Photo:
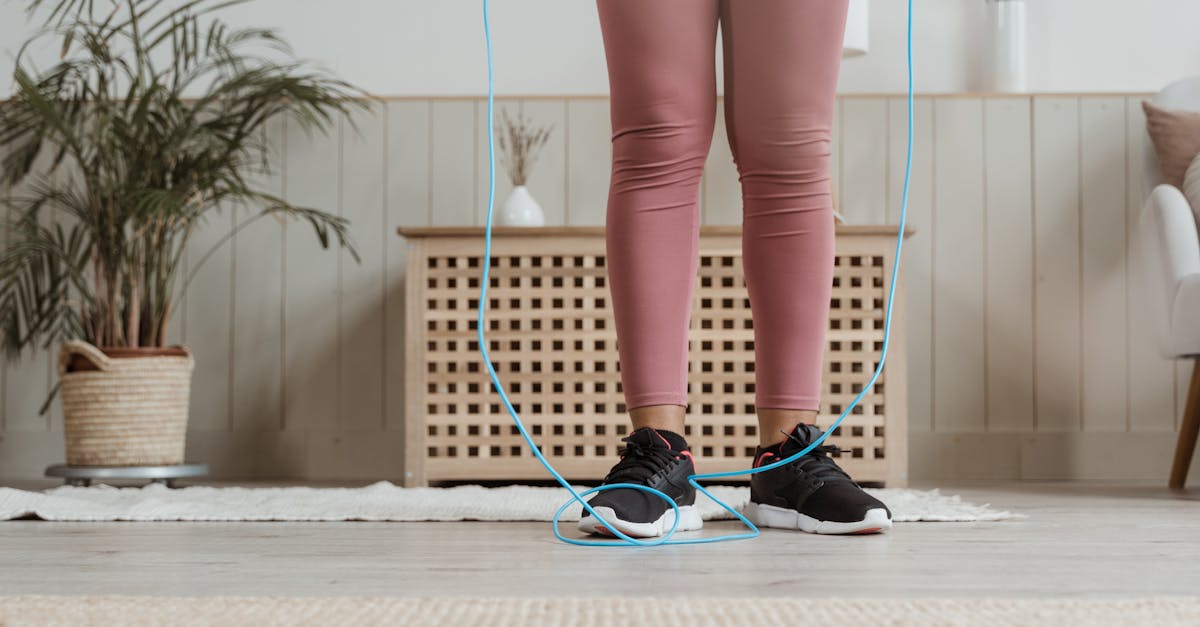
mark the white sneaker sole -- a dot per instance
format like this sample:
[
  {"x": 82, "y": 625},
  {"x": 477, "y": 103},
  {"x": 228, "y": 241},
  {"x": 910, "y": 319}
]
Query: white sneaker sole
[
  {"x": 875, "y": 521},
  {"x": 689, "y": 520}
]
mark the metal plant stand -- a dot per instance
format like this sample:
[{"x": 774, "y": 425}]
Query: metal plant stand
[{"x": 83, "y": 475}]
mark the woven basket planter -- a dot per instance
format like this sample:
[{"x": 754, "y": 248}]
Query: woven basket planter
[{"x": 123, "y": 407}]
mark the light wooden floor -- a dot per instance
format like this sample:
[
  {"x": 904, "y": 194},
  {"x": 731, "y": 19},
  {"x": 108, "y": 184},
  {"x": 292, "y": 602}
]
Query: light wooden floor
[{"x": 1080, "y": 540}]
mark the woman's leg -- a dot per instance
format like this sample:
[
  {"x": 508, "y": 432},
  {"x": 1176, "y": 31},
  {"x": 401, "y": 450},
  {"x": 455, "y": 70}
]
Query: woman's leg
[
  {"x": 662, "y": 79},
  {"x": 781, "y": 68},
  {"x": 782, "y": 59}
]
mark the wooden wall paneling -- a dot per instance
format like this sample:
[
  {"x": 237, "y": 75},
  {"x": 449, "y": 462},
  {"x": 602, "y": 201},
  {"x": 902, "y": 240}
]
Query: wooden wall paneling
[
  {"x": 917, "y": 262},
  {"x": 361, "y": 321},
  {"x": 210, "y": 321},
  {"x": 864, "y": 127},
  {"x": 1057, "y": 294},
  {"x": 355, "y": 455},
  {"x": 503, "y": 183},
  {"x": 177, "y": 321},
  {"x": 48, "y": 218},
  {"x": 25, "y": 454},
  {"x": 1008, "y": 178},
  {"x": 548, "y": 178},
  {"x": 921, "y": 189},
  {"x": 959, "y": 250},
  {"x": 257, "y": 361},
  {"x": 28, "y": 378},
  {"x": 1150, "y": 384},
  {"x": 589, "y": 157},
  {"x": 454, "y": 164},
  {"x": 1081, "y": 300},
  {"x": 310, "y": 284},
  {"x": 5, "y": 198},
  {"x": 69, "y": 175},
  {"x": 965, "y": 456},
  {"x": 1102, "y": 253},
  {"x": 1094, "y": 455},
  {"x": 407, "y": 202},
  {"x": 721, "y": 193}
]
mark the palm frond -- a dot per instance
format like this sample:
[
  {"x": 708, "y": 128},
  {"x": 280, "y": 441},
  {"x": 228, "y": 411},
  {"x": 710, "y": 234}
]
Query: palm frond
[{"x": 158, "y": 109}]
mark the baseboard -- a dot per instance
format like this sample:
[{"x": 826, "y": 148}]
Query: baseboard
[
  {"x": 1139, "y": 456},
  {"x": 25, "y": 454},
  {"x": 352, "y": 455}
]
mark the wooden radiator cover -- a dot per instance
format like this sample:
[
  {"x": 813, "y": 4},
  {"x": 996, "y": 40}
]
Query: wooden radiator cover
[{"x": 552, "y": 342}]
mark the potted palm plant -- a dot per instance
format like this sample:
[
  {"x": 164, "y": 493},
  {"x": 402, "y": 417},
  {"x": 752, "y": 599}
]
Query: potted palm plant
[{"x": 149, "y": 123}]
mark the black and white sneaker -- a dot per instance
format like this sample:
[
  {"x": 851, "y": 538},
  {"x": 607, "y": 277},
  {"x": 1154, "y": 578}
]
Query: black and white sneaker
[
  {"x": 813, "y": 493},
  {"x": 656, "y": 459}
]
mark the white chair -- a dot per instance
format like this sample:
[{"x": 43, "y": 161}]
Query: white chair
[{"x": 1167, "y": 249}]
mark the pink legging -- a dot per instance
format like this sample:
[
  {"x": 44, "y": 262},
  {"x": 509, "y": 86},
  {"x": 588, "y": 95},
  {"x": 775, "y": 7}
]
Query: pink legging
[{"x": 781, "y": 65}]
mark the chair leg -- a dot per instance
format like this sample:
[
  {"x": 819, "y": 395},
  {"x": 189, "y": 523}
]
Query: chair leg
[{"x": 1188, "y": 431}]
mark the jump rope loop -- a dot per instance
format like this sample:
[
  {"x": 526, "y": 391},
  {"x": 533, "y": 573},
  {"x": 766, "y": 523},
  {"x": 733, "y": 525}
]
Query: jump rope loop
[{"x": 578, "y": 497}]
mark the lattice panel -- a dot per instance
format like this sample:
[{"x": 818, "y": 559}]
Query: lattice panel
[{"x": 551, "y": 339}]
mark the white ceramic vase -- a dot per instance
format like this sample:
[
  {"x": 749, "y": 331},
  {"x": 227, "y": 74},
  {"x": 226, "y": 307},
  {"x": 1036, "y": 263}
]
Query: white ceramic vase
[{"x": 520, "y": 209}]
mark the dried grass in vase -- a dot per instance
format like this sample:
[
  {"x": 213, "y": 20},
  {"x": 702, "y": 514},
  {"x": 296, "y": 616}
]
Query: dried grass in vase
[{"x": 519, "y": 142}]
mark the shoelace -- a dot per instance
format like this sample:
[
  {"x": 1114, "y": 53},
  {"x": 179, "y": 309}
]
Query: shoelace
[
  {"x": 640, "y": 462},
  {"x": 817, "y": 462}
]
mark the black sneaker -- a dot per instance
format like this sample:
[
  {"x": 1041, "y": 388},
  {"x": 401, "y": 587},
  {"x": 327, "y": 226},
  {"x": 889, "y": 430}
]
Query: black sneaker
[
  {"x": 656, "y": 459},
  {"x": 812, "y": 493}
]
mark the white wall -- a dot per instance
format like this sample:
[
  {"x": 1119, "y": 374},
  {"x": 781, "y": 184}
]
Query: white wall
[{"x": 411, "y": 47}]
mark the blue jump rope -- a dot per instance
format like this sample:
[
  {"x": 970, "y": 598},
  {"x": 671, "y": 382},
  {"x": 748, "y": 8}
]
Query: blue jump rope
[{"x": 578, "y": 497}]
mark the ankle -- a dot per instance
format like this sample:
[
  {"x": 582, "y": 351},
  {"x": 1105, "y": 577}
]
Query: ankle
[
  {"x": 774, "y": 424},
  {"x": 659, "y": 417}
]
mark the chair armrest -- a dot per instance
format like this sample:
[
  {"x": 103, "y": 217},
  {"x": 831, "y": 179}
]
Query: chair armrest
[{"x": 1167, "y": 251}]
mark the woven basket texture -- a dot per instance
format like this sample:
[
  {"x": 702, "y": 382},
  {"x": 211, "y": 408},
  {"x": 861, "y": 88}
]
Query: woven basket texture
[{"x": 130, "y": 411}]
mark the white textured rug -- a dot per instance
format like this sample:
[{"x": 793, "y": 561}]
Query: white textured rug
[{"x": 383, "y": 501}]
